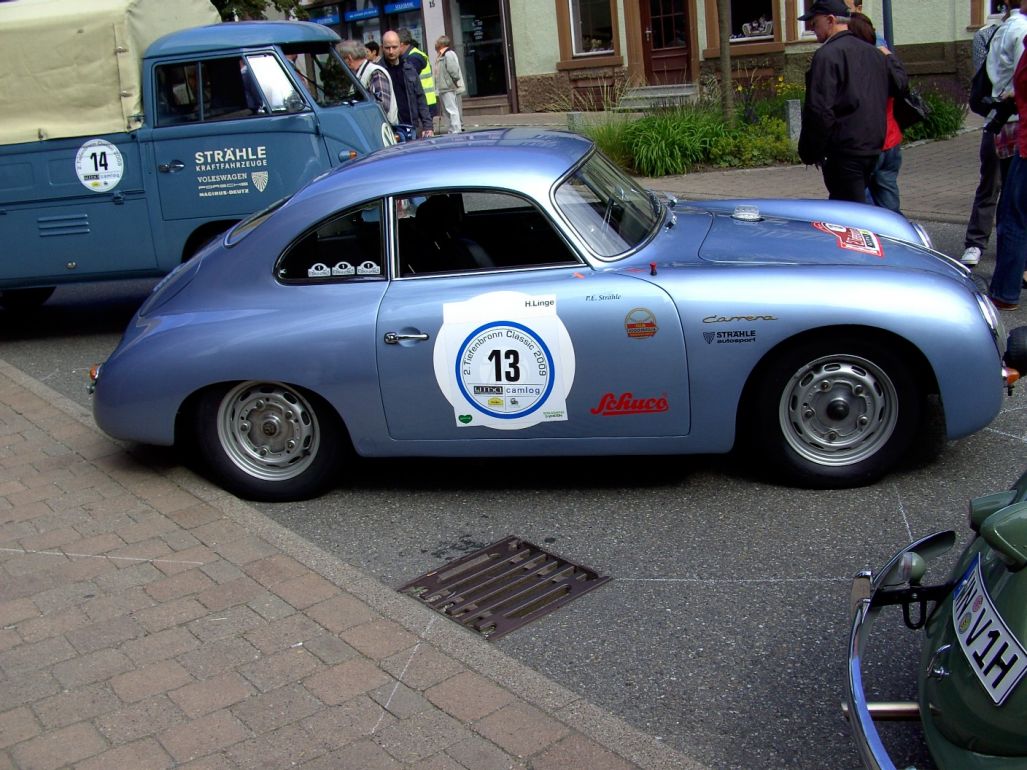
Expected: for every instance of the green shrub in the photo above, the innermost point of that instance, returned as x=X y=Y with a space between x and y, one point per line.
x=945 y=120
x=682 y=139
x=763 y=143
x=612 y=139
x=673 y=141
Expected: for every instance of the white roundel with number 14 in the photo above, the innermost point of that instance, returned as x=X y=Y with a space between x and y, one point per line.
x=99 y=165
x=504 y=360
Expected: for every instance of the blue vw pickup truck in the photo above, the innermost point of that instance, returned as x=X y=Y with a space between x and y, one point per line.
x=132 y=136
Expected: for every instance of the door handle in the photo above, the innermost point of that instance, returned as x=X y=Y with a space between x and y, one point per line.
x=172 y=167
x=391 y=338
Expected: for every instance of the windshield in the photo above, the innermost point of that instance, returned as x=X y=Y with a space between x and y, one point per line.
x=323 y=74
x=611 y=213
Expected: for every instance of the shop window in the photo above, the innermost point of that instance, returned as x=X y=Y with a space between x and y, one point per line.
x=804 y=29
x=481 y=47
x=752 y=21
x=591 y=27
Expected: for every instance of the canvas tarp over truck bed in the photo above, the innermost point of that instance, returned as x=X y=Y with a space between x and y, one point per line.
x=73 y=68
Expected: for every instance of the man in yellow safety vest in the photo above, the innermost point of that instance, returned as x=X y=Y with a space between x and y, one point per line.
x=420 y=61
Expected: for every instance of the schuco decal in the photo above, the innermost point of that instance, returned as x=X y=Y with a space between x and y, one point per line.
x=626 y=403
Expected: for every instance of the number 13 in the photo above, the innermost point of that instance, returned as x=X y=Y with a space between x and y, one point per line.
x=513 y=368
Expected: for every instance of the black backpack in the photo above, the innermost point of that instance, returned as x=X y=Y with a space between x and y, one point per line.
x=981 y=101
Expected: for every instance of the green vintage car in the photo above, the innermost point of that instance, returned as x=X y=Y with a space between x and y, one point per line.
x=972 y=700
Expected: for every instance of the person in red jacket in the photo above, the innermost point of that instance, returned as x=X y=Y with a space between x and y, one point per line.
x=1011 y=255
x=883 y=189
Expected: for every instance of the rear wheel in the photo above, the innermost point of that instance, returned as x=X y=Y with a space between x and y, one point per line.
x=836 y=414
x=268 y=441
x=25 y=299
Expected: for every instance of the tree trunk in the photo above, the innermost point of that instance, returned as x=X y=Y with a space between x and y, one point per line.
x=727 y=91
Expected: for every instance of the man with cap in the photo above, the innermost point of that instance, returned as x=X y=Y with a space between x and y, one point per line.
x=844 y=115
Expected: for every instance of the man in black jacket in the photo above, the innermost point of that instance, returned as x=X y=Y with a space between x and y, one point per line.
x=406 y=84
x=843 y=118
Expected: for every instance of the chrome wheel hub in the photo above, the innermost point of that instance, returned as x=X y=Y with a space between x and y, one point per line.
x=838 y=410
x=268 y=430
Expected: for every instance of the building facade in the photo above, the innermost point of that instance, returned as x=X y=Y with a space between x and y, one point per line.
x=542 y=55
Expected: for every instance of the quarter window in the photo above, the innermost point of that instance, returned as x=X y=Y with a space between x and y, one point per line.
x=347 y=247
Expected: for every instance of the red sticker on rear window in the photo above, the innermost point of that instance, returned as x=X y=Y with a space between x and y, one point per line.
x=853 y=238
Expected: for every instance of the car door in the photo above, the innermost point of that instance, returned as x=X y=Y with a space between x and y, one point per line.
x=554 y=349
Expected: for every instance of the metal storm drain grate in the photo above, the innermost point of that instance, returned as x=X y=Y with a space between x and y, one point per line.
x=503 y=586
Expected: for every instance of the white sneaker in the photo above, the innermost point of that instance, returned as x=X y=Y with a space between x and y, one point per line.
x=971 y=256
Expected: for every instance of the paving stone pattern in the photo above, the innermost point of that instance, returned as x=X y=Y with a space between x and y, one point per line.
x=143 y=626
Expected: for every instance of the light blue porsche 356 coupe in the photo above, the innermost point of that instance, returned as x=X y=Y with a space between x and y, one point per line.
x=511 y=292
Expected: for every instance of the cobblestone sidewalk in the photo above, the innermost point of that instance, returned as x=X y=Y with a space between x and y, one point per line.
x=149 y=620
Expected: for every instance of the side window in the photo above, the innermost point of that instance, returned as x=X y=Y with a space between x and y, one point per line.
x=278 y=90
x=346 y=247
x=224 y=94
x=475 y=230
x=227 y=91
x=178 y=93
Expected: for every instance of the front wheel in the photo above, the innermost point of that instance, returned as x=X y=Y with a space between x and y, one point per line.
x=268 y=441
x=836 y=414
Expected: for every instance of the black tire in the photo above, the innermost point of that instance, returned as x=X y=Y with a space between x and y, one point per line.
x=837 y=413
x=20 y=300
x=1016 y=350
x=268 y=441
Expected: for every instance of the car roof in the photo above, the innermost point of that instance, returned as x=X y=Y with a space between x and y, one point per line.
x=521 y=158
x=241 y=34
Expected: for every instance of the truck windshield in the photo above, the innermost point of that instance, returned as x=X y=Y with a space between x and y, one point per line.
x=323 y=74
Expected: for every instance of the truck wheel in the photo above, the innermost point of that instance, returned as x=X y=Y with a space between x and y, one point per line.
x=835 y=414
x=25 y=299
x=268 y=441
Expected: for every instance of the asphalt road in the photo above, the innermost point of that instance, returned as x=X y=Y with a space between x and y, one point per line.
x=724 y=630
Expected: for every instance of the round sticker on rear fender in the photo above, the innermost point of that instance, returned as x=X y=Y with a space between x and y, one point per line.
x=504 y=360
x=99 y=165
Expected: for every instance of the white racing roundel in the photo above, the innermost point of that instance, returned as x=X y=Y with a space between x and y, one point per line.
x=99 y=165
x=504 y=360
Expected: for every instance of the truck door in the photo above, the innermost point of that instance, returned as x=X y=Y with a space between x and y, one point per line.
x=232 y=135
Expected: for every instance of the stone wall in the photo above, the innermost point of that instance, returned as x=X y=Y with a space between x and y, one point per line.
x=587 y=89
